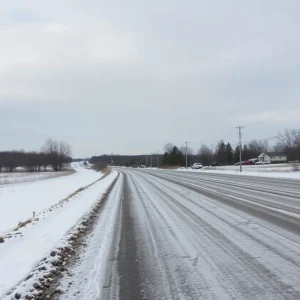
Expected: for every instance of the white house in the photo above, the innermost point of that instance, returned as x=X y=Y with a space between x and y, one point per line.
x=272 y=157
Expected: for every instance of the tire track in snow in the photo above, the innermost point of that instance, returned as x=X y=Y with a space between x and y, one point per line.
x=194 y=258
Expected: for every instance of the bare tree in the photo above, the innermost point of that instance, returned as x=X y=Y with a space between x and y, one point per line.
x=51 y=150
x=206 y=155
x=256 y=147
x=64 y=153
x=189 y=150
x=289 y=142
x=31 y=161
x=168 y=147
x=57 y=153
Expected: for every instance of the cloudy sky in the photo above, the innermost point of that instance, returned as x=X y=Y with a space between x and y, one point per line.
x=129 y=76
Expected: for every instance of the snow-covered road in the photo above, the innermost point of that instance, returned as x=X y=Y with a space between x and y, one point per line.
x=181 y=235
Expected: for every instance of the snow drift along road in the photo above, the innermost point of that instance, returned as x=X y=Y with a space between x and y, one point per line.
x=18 y=201
x=19 y=255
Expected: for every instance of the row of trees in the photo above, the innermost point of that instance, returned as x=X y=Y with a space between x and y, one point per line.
x=225 y=154
x=53 y=153
x=126 y=160
x=287 y=142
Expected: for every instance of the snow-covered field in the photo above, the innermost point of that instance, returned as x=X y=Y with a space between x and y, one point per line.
x=19 y=201
x=21 y=177
x=20 y=253
x=278 y=170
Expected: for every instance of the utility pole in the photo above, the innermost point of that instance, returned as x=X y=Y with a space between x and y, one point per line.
x=186 y=154
x=240 y=141
x=146 y=160
x=157 y=160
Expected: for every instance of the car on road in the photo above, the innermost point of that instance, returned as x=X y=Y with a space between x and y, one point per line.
x=251 y=161
x=215 y=164
x=197 y=166
x=238 y=163
x=142 y=167
x=262 y=163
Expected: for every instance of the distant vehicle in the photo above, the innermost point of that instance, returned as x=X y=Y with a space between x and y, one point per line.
x=197 y=166
x=142 y=167
x=293 y=161
x=238 y=163
x=251 y=161
x=215 y=164
x=262 y=163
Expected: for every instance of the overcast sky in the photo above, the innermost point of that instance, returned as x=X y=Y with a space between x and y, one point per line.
x=129 y=76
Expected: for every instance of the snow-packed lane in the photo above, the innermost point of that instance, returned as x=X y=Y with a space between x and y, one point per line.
x=180 y=236
x=190 y=246
x=273 y=197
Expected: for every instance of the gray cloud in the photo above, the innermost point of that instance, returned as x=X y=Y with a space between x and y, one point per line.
x=129 y=77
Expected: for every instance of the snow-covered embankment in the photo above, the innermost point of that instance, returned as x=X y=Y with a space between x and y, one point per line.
x=31 y=243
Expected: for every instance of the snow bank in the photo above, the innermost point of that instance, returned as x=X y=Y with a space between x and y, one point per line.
x=19 y=255
x=274 y=172
x=95 y=262
x=18 y=201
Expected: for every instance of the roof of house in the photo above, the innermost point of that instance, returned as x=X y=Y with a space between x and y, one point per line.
x=274 y=153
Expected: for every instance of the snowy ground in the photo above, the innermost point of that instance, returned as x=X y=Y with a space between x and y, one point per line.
x=98 y=255
x=31 y=243
x=19 y=201
x=275 y=171
x=21 y=177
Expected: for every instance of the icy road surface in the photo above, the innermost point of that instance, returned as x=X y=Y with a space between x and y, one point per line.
x=174 y=235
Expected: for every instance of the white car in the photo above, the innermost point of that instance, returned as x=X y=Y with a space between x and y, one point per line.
x=197 y=166
x=262 y=163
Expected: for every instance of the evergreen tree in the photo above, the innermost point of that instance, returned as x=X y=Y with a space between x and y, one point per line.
x=174 y=157
x=166 y=158
x=229 y=153
x=221 y=155
x=245 y=153
x=237 y=154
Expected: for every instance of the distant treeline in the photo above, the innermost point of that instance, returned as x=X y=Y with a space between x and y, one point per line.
x=53 y=153
x=287 y=142
x=127 y=160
